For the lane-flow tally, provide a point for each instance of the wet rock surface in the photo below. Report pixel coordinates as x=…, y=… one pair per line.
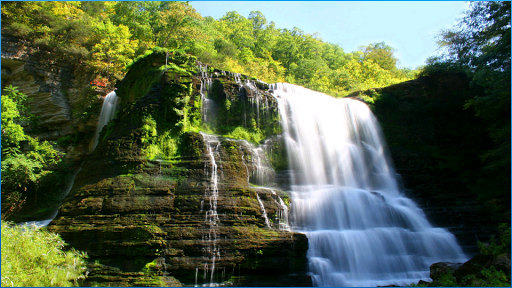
x=144, y=222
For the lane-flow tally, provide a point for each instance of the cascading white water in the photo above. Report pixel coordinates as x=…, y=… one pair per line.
x=208, y=105
x=264, y=212
x=282, y=211
x=211, y=251
x=44, y=223
x=261, y=172
x=108, y=111
x=361, y=230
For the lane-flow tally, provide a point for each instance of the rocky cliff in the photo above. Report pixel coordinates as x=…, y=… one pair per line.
x=160, y=221
x=59, y=92
x=146, y=218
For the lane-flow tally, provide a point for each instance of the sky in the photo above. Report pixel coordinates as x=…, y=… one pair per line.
x=411, y=27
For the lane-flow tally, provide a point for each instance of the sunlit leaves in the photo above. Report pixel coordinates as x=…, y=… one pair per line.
x=21, y=171
x=113, y=50
x=36, y=258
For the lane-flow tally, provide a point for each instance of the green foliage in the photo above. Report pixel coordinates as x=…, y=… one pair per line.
x=105, y=35
x=496, y=278
x=480, y=46
x=240, y=132
x=381, y=54
x=501, y=246
x=35, y=257
x=113, y=49
x=163, y=146
x=447, y=280
x=148, y=129
x=490, y=278
x=21, y=171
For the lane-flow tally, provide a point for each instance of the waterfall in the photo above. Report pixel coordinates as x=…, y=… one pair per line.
x=261, y=172
x=362, y=231
x=211, y=251
x=108, y=111
x=44, y=223
x=208, y=106
x=264, y=214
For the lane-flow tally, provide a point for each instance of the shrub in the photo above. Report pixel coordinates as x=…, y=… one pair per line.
x=497, y=247
x=35, y=257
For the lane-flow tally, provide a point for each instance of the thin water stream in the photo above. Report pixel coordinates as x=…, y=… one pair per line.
x=108, y=111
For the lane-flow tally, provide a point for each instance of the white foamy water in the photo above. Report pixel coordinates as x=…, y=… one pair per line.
x=211, y=251
x=361, y=230
x=108, y=111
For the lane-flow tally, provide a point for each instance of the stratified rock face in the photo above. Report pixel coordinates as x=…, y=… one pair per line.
x=43, y=86
x=55, y=95
x=146, y=222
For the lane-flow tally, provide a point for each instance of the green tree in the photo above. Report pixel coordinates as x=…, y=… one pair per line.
x=12, y=132
x=113, y=49
x=264, y=35
x=237, y=29
x=21, y=171
x=178, y=25
x=381, y=54
x=480, y=44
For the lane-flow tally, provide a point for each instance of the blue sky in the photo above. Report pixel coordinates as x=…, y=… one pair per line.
x=411, y=27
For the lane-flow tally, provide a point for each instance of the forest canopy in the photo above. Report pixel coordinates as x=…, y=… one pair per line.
x=106, y=36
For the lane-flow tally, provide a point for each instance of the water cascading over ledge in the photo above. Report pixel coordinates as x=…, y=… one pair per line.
x=362, y=231
x=139, y=218
x=107, y=113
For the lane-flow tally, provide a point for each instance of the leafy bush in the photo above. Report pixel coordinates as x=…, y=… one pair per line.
x=491, y=278
x=242, y=133
x=497, y=247
x=21, y=171
x=19, y=30
x=35, y=257
x=163, y=146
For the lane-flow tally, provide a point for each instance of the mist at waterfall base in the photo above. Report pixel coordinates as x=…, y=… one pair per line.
x=345, y=198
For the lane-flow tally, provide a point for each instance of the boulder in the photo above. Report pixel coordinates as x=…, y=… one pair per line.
x=476, y=264
x=437, y=270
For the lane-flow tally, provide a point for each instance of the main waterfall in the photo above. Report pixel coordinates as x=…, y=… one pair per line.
x=361, y=230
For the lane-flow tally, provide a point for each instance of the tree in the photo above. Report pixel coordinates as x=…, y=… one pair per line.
x=480, y=44
x=21, y=171
x=237, y=29
x=113, y=50
x=178, y=25
x=12, y=132
x=259, y=25
x=381, y=54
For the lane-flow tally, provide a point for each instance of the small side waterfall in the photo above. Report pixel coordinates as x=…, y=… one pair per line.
x=208, y=106
x=108, y=111
x=211, y=250
x=259, y=170
x=44, y=223
x=361, y=230
x=264, y=214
